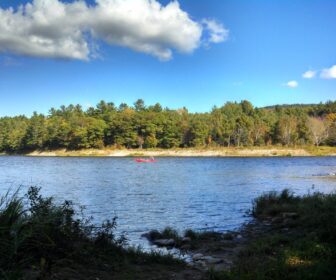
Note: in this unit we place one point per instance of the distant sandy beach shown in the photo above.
(207, 152)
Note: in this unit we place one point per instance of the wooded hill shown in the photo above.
(141, 126)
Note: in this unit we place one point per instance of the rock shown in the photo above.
(152, 235)
(145, 235)
(212, 260)
(276, 220)
(164, 242)
(186, 240)
(229, 262)
(197, 257)
(290, 215)
(200, 258)
(200, 265)
(239, 236)
(287, 222)
(185, 247)
(201, 262)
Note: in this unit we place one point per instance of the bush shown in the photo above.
(305, 251)
(273, 203)
(43, 232)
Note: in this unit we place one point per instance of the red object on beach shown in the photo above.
(144, 160)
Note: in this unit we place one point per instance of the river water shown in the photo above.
(197, 193)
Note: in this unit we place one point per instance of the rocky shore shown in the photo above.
(289, 237)
(216, 251)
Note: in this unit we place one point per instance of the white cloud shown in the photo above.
(217, 32)
(309, 74)
(292, 84)
(55, 29)
(329, 73)
(45, 28)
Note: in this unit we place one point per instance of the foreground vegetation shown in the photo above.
(41, 240)
(295, 238)
(301, 243)
(141, 126)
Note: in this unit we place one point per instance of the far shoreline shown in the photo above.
(267, 151)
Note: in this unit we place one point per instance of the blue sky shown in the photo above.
(270, 43)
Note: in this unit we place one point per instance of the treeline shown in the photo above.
(141, 126)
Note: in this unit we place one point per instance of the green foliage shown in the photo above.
(202, 235)
(301, 243)
(313, 211)
(136, 255)
(194, 238)
(272, 203)
(166, 233)
(38, 236)
(44, 232)
(141, 126)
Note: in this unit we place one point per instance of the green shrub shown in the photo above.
(307, 251)
(273, 203)
(44, 232)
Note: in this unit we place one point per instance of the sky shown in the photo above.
(188, 53)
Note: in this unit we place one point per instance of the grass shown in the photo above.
(301, 245)
(272, 204)
(167, 233)
(190, 239)
(39, 238)
(321, 150)
(203, 235)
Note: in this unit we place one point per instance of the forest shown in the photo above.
(141, 126)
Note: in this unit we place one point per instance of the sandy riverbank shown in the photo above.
(193, 152)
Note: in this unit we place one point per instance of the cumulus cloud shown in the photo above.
(292, 84)
(309, 74)
(329, 73)
(45, 28)
(55, 29)
(217, 32)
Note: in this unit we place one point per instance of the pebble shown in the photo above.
(212, 260)
(197, 257)
(186, 240)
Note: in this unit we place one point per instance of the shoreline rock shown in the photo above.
(164, 242)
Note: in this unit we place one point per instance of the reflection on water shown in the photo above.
(197, 193)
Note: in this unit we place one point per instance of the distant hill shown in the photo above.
(141, 126)
(319, 109)
(284, 106)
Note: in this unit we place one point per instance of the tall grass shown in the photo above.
(36, 233)
(273, 203)
(314, 212)
(12, 232)
(301, 244)
(42, 232)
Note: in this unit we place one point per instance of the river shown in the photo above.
(197, 193)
